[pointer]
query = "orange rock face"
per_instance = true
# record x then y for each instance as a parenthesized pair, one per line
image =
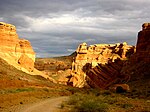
(17, 52)
(95, 55)
(143, 44)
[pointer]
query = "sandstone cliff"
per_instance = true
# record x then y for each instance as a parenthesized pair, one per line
(141, 59)
(138, 65)
(17, 52)
(143, 44)
(102, 65)
(98, 55)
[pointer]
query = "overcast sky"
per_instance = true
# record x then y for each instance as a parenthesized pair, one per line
(57, 27)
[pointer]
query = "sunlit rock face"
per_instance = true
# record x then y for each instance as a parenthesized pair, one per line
(17, 52)
(94, 55)
(143, 44)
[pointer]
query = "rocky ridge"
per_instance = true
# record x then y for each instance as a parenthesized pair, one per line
(103, 65)
(104, 57)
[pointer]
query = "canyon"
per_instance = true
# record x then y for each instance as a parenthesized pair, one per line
(103, 65)
(103, 69)
(96, 66)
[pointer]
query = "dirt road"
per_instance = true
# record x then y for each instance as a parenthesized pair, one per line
(49, 105)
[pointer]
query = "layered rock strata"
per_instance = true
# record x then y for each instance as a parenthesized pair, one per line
(95, 56)
(105, 75)
(17, 52)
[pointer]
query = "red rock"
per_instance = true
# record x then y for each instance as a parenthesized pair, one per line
(143, 46)
(96, 55)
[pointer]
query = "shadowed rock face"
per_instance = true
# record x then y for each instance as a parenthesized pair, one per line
(84, 66)
(139, 63)
(143, 44)
(17, 52)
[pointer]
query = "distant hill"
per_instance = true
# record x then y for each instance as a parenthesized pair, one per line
(54, 63)
(58, 68)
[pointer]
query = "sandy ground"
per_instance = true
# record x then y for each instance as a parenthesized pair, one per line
(48, 105)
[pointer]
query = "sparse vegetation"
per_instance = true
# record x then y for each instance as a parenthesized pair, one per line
(91, 102)
(6, 91)
(18, 88)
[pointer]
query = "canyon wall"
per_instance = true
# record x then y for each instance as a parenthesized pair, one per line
(17, 52)
(143, 44)
(102, 65)
(138, 65)
(97, 55)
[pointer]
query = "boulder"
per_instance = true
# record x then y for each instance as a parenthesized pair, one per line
(120, 88)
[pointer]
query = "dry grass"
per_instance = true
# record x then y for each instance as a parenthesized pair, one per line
(94, 102)
(18, 88)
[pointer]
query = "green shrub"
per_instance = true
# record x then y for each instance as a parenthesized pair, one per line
(91, 102)
(126, 105)
(45, 89)
(110, 100)
(106, 92)
(62, 105)
(95, 92)
(73, 90)
(92, 106)
(87, 103)
(24, 89)
(74, 99)
(19, 90)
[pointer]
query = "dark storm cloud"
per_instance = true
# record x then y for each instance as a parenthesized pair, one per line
(57, 27)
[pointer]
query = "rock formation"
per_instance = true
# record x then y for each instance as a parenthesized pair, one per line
(104, 75)
(138, 65)
(103, 56)
(103, 65)
(17, 52)
(143, 44)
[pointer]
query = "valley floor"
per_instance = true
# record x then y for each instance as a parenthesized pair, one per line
(48, 105)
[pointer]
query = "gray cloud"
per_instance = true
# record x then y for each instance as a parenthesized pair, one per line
(57, 27)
